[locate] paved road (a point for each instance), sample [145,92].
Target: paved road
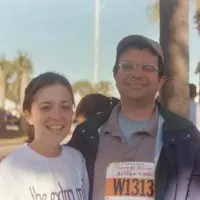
[5,150]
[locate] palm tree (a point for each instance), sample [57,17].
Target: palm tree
[103,87]
[13,88]
[84,87]
[174,17]
[17,78]
[197,15]
[2,83]
[24,70]
[14,77]
[6,68]
[197,71]
[155,12]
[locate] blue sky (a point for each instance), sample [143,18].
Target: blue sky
[58,35]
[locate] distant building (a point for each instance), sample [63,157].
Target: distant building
[11,107]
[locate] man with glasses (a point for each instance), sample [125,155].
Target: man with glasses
[139,150]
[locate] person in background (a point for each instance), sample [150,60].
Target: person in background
[93,104]
[139,149]
[42,168]
[194,108]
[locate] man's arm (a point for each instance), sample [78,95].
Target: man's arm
[194,184]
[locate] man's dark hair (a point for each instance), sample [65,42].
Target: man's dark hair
[93,104]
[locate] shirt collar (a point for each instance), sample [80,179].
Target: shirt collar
[112,125]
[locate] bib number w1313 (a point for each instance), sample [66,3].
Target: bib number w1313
[130,180]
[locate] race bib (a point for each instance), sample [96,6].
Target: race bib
[130,181]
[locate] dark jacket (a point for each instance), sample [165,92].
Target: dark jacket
[177,174]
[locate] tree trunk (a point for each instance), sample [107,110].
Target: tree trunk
[2,99]
[24,82]
[174,17]
[25,77]
[199,88]
[2,89]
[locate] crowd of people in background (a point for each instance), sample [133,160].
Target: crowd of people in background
[194,108]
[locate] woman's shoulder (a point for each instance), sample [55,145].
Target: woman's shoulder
[14,157]
[72,152]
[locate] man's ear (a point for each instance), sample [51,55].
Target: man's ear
[162,81]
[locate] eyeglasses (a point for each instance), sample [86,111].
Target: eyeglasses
[128,66]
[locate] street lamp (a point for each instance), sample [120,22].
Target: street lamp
[96,40]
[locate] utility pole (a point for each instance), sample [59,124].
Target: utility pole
[96,40]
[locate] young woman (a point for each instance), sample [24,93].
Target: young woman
[42,169]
